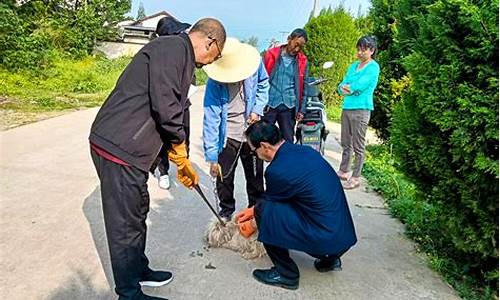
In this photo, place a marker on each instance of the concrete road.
(53, 244)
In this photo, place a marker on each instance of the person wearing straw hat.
(235, 96)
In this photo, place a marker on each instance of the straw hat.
(238, 62)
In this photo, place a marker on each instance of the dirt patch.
(10, 118)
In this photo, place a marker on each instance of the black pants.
(125, 205)
(280, 257)
(163, 165)
(285, 265)
(253, 168)
(286, 120)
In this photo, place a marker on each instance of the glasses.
(216, 45)
(253, 151)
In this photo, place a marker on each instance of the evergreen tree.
(439, 92)
(141, 12)
(253, 40)
(332, 36)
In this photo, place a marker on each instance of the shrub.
(332, 36)
(32, 35)
(425, 221)
(445, 128)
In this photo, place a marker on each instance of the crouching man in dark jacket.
(303, 208)
(145, 111)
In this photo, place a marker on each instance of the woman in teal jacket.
(357, 88)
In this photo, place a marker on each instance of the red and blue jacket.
(273, 55)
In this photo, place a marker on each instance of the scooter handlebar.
(317, 81)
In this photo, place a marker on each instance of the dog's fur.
(218, 236)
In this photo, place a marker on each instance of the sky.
(265, 19)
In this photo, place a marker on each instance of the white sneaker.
(164, 182)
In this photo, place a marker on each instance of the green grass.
(422, 219)
(333, 112)
(68, 84)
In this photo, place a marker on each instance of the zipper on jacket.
(143, 127)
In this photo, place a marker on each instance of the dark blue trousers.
(286, 120)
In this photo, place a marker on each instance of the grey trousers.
(352, 138)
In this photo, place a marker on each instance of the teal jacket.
(363, 83)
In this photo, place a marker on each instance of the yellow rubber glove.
(187, 175)
(245, 215)
(185, 171)
(178, 154)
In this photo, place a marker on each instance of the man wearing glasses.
(304, 208)
(143, 112)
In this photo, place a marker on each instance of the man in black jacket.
(144, 111)
(170, 26)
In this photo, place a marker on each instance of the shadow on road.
(79, 286)
(176, 225)
(92, 209)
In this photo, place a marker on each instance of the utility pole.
(313, 11)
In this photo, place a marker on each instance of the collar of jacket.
(187, 40)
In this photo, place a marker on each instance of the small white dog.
(218, 236)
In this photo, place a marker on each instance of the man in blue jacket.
(235, 96)
(304, 208)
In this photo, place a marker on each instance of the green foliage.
(384, 15)
(332, 36)
(67, 84)
(253, 40)
(437, 103)
(427, 222)
(141, 12)
(334, 112)
(201, 77)
(35, 34)
(364, 25)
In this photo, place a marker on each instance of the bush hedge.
(332, 36)
(424, 220)
(440, 113)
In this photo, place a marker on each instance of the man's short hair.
(261, 131)
(212, 28)
(298, 33)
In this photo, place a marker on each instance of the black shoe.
(272, 277)
(147, 297)
(225, 215)
(323, 265)
(156, 278)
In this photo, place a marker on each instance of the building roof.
(136, 27)
(166, 14)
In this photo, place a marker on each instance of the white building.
(133, 35)
(140, 31)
